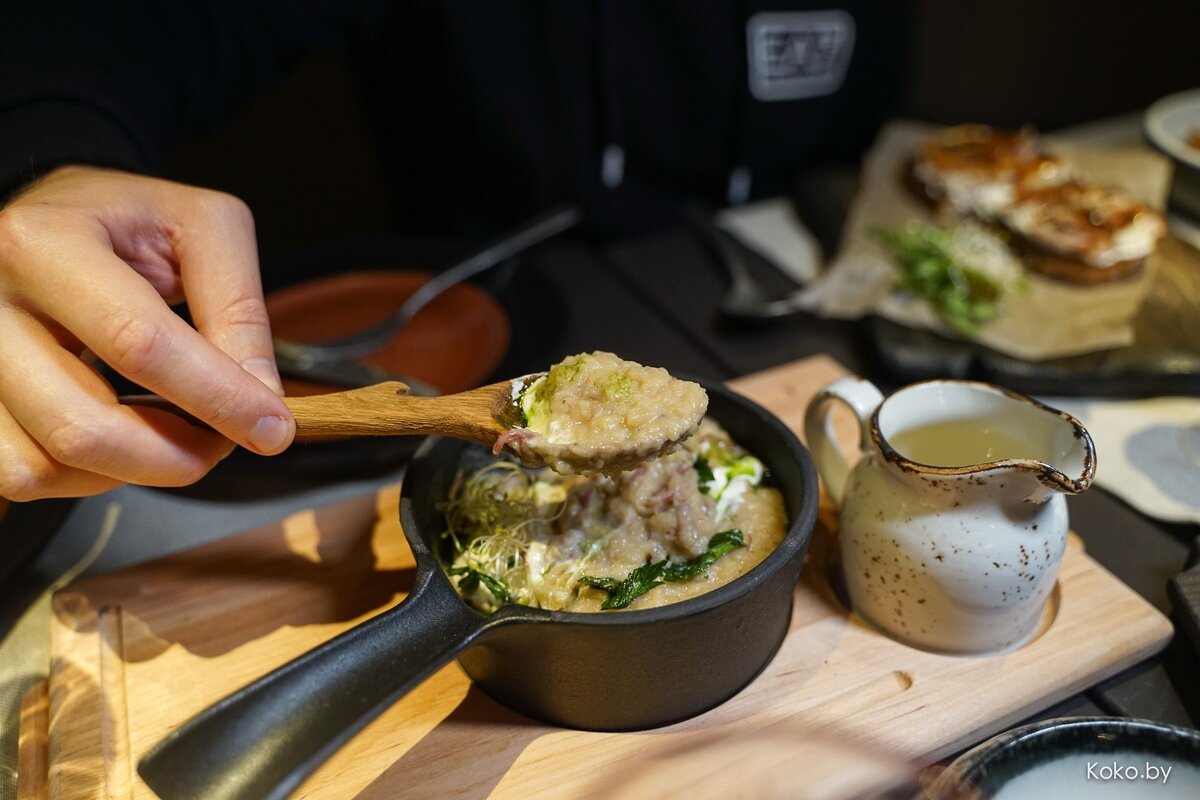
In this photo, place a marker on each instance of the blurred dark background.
(1049, 63)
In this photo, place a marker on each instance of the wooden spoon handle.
(378, 410)
(385, 409)
(365, 411)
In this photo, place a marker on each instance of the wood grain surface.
(33, 762)
(138, 651)
(384, 409)
(387, 409)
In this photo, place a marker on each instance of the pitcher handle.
(863, 398)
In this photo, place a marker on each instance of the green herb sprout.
(964, 272)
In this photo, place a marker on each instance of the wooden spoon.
(387, 409)
(487, 415)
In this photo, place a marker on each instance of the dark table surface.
(652, 299)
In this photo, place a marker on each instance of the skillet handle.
(264, 739)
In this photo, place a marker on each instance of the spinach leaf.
(622, 593)
(646, 577)
(473, 577)
(704, 473)
(607, 584)
(718, 545)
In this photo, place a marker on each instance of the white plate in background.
(1171, 121)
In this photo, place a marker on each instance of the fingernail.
(264, 369)
(270, 434)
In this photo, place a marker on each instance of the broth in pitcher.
(958, 443)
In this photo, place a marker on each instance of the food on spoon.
(965, 272)
(673, 528)
(1059, 225)
(595, 412)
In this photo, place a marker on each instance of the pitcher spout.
(978, 432)
(1071, 466)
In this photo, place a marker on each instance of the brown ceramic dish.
(454, 343)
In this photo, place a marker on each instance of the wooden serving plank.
(137, 652)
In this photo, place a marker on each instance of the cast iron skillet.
(676, 661)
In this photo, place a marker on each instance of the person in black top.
(486, 112)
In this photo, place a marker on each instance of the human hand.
(89, 260)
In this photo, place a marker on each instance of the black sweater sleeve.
(116, 82)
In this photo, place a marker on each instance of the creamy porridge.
(671, 528)
(595, 412)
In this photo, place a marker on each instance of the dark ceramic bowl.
(1093, 749)
(604, 671)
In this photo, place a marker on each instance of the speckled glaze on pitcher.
(957, 558)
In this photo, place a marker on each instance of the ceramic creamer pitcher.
(954, 520)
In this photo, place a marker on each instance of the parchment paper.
(1050, 320)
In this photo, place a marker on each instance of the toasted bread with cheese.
(1060, 226)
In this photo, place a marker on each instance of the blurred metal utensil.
(290, 358)
(746, 299)
(314, 361)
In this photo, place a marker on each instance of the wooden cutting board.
(137, 652)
